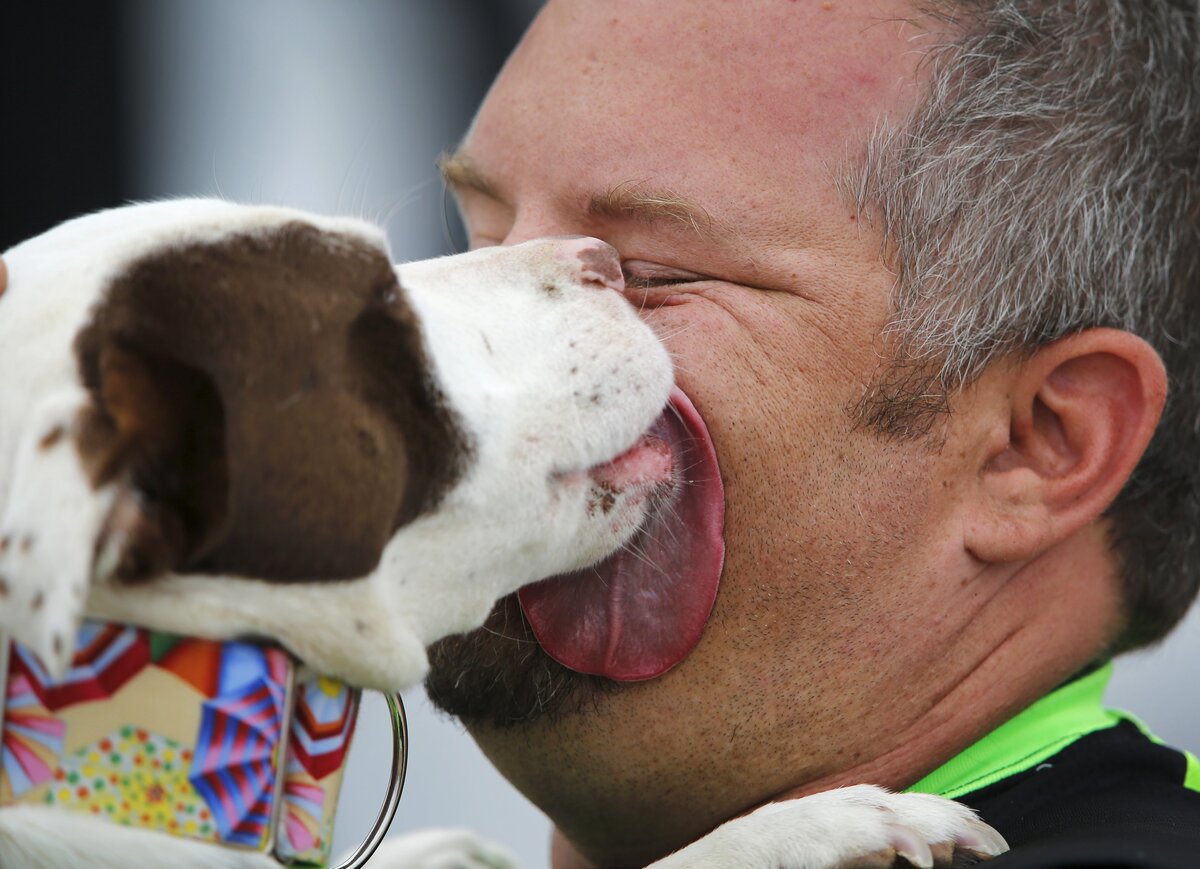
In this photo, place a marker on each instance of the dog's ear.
(264, 406)
(392, 374)
(157, 431)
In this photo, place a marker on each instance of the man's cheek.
(715, 347)
(760, 384)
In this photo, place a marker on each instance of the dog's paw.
(47, 534)
(441, 849)
(862, 826)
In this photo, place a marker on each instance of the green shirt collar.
(1041, 731)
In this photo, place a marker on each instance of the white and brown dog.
(221, 420)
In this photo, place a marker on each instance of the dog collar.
(230, 743)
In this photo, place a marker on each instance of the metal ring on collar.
(395, 786)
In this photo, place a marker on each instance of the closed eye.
(644, 276)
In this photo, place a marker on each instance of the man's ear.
(1063, 430)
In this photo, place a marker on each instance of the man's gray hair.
(1050, 182)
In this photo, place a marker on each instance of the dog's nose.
(598, 261)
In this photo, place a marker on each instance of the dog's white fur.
(519, 367)
(34, 837)
(839, 827)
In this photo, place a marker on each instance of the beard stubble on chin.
(499, 676)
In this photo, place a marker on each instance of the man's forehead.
(821, 62)
(639, 201)
(610, 95)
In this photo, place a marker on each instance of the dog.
(226, 421)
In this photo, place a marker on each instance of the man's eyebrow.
(627, 200)
(638, 200)
(459, 170)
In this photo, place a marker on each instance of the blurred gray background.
(335, 108)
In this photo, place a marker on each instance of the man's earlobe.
(1081, 412)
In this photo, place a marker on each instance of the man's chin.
(498, 676)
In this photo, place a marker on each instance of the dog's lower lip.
(648, 462)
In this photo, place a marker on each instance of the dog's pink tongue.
(642, 610)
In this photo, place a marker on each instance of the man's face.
(770, 294)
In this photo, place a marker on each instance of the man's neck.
(968, 712)
(1019, 670)
(1036, 625)
(1049, 725)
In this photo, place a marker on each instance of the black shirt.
(1071, 784)
(1112, 798)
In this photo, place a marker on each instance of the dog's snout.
(598, 261)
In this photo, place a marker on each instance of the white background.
(342, 108)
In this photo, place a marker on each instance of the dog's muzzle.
(233, 744)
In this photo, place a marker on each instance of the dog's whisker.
(215, 178)
(402, 202)
(365, 191)
(636, 552)
(675, 333)
(355, 158)
(338, 209)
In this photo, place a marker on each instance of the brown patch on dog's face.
(264, 403)
(602, 262)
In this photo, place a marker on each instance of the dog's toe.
(861, 827)
(950, 827)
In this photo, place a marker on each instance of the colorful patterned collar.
(228, 743)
